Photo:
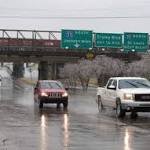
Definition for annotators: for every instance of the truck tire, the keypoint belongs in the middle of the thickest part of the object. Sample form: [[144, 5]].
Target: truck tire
[[133, 115], [120, 113], [99, 103]]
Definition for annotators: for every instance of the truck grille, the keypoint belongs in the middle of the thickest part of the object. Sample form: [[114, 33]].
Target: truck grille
[[142, 97], [55, 95]]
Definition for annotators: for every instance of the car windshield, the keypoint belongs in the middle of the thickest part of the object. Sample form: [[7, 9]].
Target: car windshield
[[51, 85], [133, 83]]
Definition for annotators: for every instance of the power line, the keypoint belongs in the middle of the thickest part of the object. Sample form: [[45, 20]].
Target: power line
[[76, 18], [71, 9], [46, 9]]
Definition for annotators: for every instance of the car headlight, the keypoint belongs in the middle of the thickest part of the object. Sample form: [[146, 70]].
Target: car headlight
[[65, 94], [44, 94], [128, 96]]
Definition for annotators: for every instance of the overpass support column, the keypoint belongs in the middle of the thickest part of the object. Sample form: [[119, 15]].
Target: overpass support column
[[43, 70], [54, 71], [18, 70]]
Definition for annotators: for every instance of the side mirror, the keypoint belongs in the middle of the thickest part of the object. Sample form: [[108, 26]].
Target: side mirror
[[112, 87]]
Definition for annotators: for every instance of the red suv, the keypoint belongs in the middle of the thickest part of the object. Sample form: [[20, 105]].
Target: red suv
[[50, 91]]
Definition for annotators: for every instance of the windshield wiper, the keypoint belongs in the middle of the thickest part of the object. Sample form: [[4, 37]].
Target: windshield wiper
[[143, 84], [132, 84]]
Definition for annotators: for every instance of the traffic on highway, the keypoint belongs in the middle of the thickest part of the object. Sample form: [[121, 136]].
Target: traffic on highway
[[125, 94], [74, 75], [25, 126]]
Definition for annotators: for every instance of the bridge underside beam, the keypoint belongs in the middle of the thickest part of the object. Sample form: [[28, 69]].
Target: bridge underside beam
[[36, 59], [30, 54]]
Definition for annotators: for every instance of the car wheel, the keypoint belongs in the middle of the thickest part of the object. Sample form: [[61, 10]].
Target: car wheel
[[99, 103], [134, 115], [120, 113], [40, 104], [65, 104]]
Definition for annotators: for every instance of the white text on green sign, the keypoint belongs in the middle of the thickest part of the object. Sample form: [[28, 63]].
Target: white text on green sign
[[110, 40], [136, 42], [76, 39]]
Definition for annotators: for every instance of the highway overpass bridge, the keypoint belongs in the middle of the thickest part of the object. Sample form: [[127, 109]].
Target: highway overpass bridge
[[43, 47]]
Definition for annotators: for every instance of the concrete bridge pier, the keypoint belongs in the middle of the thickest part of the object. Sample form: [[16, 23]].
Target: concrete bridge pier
[[54, 70], [49, 70], [43, 70], [18, 70]]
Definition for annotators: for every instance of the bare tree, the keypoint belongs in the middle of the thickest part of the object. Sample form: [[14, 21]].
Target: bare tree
[[105, 67], [85, 72], [80, 72], [69, 73], [102, 67], [139, 68]]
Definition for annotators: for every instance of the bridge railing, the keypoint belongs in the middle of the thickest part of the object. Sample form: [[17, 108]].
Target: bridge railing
[[29, 38], [30, 34]]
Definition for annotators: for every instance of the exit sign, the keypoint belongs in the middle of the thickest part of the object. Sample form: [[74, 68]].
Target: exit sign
[[110, 40], [137, 42], [76, 39]]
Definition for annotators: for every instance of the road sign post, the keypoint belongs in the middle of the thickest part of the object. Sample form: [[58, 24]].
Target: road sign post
[[108, 40], [76, 39], [136, 42]]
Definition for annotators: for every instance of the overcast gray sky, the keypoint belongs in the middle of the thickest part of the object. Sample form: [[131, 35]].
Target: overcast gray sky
[[96, 15]]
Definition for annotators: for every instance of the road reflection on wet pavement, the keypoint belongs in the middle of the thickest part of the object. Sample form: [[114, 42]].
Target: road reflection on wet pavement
[[24, 127]]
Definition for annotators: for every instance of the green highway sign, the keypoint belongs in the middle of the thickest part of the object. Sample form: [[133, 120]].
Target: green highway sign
[[76, 39], [137, 42], [110, 40]]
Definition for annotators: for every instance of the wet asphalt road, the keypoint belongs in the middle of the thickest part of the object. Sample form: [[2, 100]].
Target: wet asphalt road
[[24, 127]]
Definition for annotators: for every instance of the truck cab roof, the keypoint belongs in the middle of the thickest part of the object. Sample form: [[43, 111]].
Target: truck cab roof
[[121, 78]]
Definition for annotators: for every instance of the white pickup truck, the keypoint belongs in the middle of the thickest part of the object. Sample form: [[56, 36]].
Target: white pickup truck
[[125, 94]]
